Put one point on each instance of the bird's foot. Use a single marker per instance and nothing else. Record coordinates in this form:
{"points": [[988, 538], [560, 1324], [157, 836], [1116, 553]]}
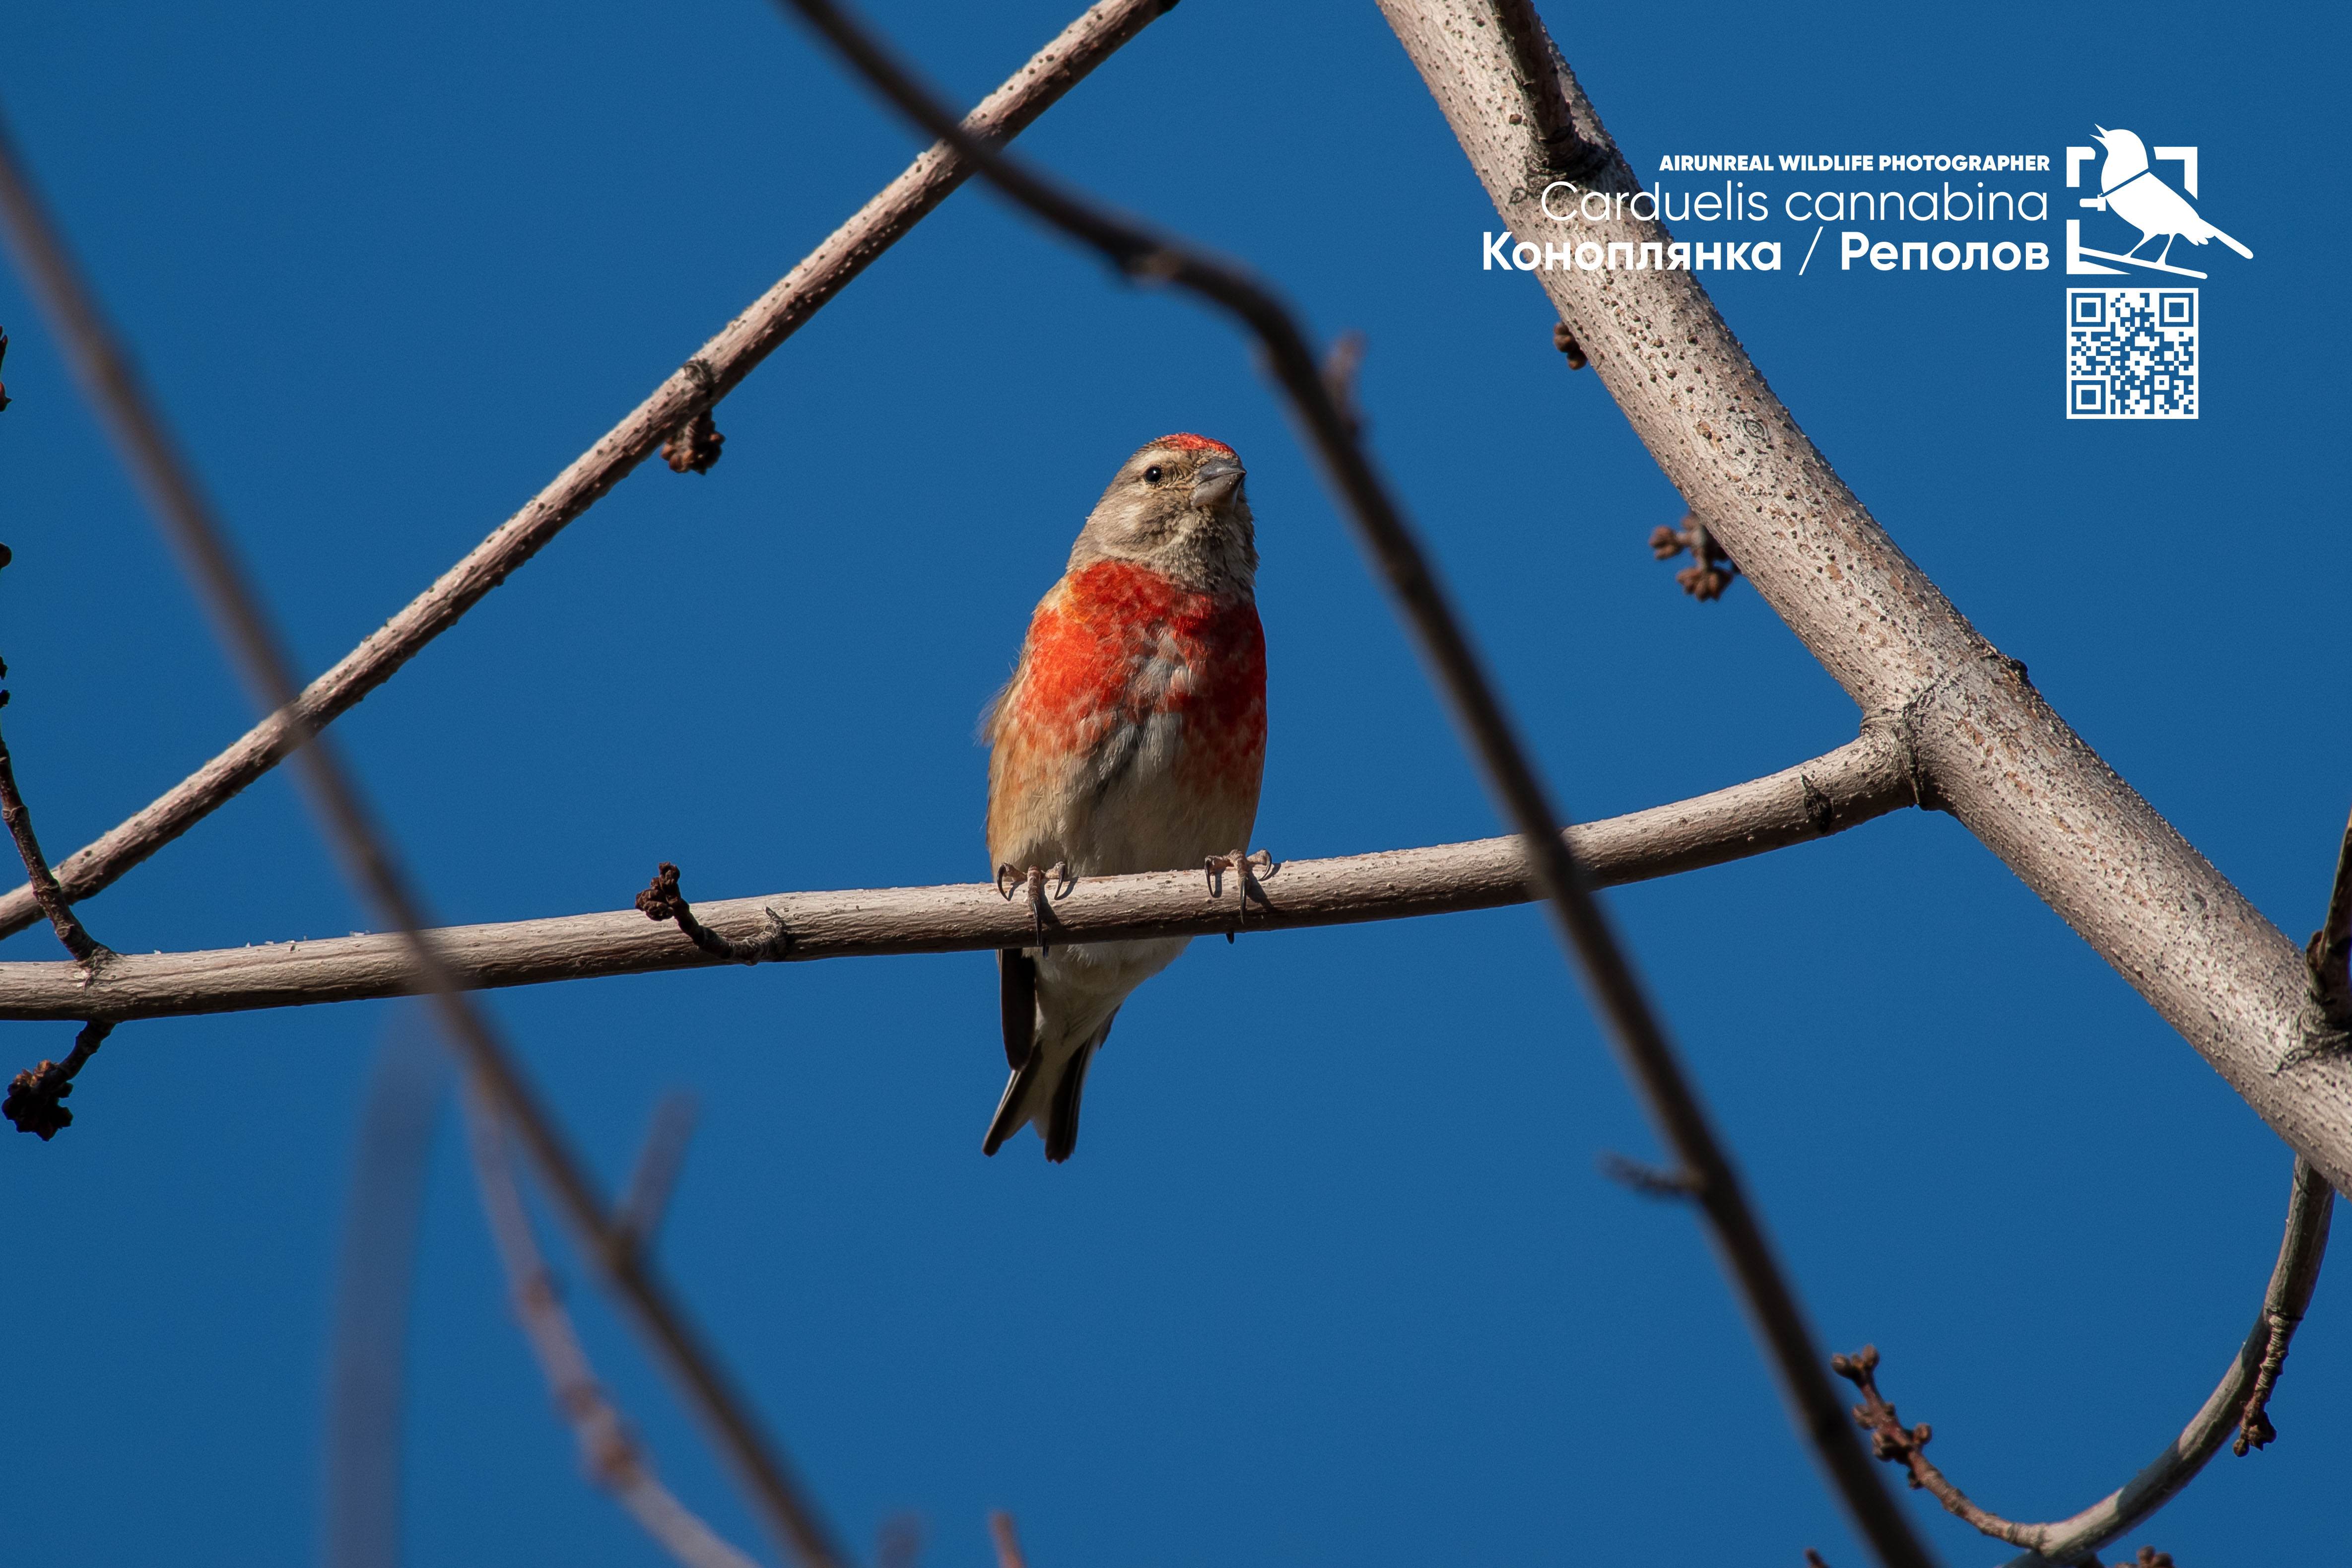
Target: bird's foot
{"points": [[1011, 880], [1248, 871]]}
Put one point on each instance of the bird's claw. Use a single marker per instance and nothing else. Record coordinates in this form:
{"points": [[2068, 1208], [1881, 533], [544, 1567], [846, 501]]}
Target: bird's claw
{"points": [[1249, 870], [1011, 880]]}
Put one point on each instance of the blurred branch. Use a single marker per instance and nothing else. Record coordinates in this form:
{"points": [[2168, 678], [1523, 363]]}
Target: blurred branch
{"points": [[185, 517], [1455, 669], [1861, 780], [2235, 1404], [681, 402], [361, 1452], [608, 1449], [645, 1199], [1008, 1544]]}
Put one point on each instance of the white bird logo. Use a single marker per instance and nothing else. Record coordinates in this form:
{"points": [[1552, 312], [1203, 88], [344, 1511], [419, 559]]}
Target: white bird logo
{"points": [[2131, 190]]}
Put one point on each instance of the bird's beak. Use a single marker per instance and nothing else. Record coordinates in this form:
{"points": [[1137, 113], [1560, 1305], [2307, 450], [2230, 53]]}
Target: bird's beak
{"points": [[1217, 482]]}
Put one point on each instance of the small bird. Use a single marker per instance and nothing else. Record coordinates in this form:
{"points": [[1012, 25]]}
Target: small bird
{"points": [[2130, 189], [1131, 738]]}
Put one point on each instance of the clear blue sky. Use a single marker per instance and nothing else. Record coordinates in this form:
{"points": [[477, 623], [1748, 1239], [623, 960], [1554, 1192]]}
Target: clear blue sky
{"points": [[1333, 1279]]}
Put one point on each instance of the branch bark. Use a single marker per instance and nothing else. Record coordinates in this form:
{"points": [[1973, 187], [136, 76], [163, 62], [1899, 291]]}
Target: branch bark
{"points": [[1861, 780], [1982, 744], [690, 393]]}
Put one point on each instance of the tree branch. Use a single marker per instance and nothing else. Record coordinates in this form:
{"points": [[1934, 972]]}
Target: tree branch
{"points": [[681, 401], [40, 882], [1631, 1024], [608, 1449], [1859, 781], [2235, 1404], [1985, 746]]}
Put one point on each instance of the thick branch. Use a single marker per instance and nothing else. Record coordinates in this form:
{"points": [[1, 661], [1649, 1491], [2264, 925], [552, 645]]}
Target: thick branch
{"points": [[1985, 745], [1859, 781], [690, 393]]}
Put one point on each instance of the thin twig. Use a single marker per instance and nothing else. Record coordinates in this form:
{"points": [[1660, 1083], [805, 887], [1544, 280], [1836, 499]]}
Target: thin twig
{"points": [[148, 451], [36, 1100], [1649, 1181], [86, 948], [1582, 926], [662, 900], [375, 1282], [714, 371], [1562, 152], [2232, 1405], [1857, 781], [609, 1450]]}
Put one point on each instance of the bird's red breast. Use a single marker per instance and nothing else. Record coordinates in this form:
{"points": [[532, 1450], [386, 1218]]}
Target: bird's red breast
{"points": [[1116, 644]]}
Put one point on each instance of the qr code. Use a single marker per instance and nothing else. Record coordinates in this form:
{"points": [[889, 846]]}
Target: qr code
{"points": [[2131, 354]]}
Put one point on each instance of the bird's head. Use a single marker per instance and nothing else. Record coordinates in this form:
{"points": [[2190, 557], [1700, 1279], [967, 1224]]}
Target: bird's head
{"points": [[2127, 153], [1177, 506]]}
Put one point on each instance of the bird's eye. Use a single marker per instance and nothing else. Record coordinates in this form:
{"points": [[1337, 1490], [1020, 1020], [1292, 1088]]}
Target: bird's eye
{"points": [[1151, 474]]}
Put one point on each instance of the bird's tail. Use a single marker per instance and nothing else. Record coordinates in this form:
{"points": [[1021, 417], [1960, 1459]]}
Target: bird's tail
{"points": [[1049, 1077], [2231, 243]]}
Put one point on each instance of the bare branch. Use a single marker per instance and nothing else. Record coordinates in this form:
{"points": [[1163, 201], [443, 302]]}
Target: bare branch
{"points": [[1859, 781], [1644, 1051], [682, 401], [148, 451], [2236, 1403], [86, 948], [608, 1449], [1986, 747]]}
